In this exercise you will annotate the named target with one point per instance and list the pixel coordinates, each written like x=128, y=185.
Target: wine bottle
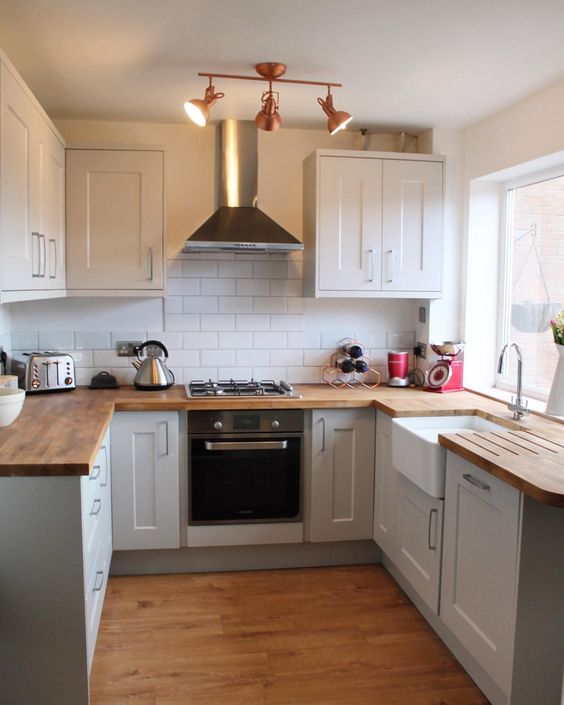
x=345, y=364
x=361, y=366
x=352, y=350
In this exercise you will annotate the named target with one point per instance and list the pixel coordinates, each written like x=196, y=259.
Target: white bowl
x=11, y=403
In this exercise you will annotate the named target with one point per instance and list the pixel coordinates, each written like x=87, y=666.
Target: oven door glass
x=238, y=480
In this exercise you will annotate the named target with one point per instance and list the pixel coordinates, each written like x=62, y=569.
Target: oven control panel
x=246, y=421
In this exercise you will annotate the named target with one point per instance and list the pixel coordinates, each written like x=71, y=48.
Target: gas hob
x=240, y=388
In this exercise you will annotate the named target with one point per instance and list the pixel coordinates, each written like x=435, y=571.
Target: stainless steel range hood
x=238, y=225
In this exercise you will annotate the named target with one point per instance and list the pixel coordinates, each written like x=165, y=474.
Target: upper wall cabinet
x=373, y=224
x=115, y=222
x=32, y=196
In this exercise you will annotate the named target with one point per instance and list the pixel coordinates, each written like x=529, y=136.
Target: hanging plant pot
x=531, y=317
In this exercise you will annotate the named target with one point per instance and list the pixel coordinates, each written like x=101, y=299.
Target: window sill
x=502, y=395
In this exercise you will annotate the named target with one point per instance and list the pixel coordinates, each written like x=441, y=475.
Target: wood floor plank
x=315, y=636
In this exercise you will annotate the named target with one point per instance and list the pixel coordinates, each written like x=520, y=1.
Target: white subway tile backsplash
x=269, y=304
x=275, y=373
x=235, y=304
x=270, y=340
x=199, y=304
x=183, y=287
x=215, y=358
x=252, y=357
x=287, y=357
x=182, y=321
x=321, y=358
x=296, y=305
x=174, y=268
x=236, y=340
x=305, y=340
x=303, y=375
x=107, y=359
x=173, y=304
x=183, y=358
x=199, y=341
x=286, y=287
x=218, y=287
x=123, y=375
x=401, y=339
x=217, y=255
x=378, y=356
x=235, y=372
x=270, y=270
x=172, y=341
x=331, y=338
x=56, y=340
x=193, y=268
x=82, y=358
x=88, y=340
x=84, y=375
x=190, y=374
x=253, y=322
x=119, y=335
x=253, y=287
x=372, y=338
x=295, y=270
x=237, y=269
x=28, y=341
x=218, y=321
x=289, y=322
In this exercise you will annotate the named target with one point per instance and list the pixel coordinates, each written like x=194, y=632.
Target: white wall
x=224, y=315
x=5, y=328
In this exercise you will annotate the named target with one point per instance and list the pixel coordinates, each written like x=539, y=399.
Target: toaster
x=44, y=371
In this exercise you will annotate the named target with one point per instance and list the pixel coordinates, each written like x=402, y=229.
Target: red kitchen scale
x=445, y=375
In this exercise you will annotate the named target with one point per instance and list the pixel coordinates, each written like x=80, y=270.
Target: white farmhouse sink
x=416, y=452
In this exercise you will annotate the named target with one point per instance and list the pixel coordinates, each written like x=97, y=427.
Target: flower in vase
x=557, y=325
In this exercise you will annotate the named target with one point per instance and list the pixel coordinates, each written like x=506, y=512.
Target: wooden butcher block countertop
x=59, y=434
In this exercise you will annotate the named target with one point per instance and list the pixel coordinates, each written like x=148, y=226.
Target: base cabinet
x=146, y=475
x=342, y=475
x=418, y=540
x=480, y=565
x=385, y=483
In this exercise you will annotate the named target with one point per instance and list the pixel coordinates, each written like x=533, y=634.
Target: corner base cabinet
x=373, y=224
x=342, y=475
x=146, y=476
x=385, y=486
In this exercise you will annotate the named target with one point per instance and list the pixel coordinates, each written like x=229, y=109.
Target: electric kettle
x=152, y=372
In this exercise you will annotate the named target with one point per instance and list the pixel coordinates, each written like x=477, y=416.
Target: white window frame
x=503, y=381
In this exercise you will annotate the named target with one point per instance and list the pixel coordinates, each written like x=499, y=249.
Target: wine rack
x=336, y=377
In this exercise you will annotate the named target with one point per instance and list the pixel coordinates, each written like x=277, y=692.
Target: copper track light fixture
x=268, y=117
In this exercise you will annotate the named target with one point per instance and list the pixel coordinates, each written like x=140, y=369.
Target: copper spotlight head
x=198, y=110
x=268, y=118
x=338, y=119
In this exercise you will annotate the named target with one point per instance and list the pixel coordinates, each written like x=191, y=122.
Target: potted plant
x=555, y=403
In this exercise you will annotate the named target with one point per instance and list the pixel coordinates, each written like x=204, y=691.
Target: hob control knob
x=218, y=425
x=275, y=424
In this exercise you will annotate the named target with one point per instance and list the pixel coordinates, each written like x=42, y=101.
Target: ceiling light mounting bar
x=266, y=78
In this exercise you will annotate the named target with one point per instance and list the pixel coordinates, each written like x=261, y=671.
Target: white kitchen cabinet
x=115, y=213
x=385, y=483
x=480, y=566
x=145, y=480
x=373, y=224
x=32, y=223
x=418, y=540
x=55, y=543
x=342, y=475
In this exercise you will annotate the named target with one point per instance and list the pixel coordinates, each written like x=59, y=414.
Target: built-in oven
x=245, y=466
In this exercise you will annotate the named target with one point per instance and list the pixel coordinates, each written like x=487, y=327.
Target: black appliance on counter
x=245, y=466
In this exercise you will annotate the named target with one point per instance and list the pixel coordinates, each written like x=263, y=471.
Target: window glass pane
x=537, y=278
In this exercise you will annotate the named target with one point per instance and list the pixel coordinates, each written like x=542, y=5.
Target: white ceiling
x=407, y=64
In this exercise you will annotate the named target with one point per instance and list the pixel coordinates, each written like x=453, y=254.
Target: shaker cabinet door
x=385, y=486
x=114, y=219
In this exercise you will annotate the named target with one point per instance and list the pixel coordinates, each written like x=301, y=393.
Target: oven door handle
x=246, y=445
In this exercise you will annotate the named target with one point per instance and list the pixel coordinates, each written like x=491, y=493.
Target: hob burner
x=240, y=388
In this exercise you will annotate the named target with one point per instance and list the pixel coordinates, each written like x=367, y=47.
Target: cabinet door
x=350, y=224
x=53, y=219
x=385, y=481
x=145, y=480
x=418, y=540
x=21, y=153
x=342, y=481
x=114, y=219
x=480, y=553
x=412, y=226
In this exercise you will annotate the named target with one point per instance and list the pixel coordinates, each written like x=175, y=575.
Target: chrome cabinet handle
x=323, y=436
x=99, y=581
x=53, y=261
x=474, y=481
x=35, y=259
x=150, y=264
x=164, y=438
x=105, y=481
x=44, y=258
x=390, y=277
x=436, y=513
x=372, y=264
x=95, y=474
x=96, y=508
x=246, y=445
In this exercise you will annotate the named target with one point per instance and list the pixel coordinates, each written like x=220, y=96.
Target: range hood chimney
x=238, y=225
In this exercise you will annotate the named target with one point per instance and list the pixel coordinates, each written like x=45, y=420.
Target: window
x=532, y=278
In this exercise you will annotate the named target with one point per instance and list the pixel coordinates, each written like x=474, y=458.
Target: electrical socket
x=420, y=350
x=126, y=348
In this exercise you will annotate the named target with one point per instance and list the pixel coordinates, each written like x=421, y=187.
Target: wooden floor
x=331, y=636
